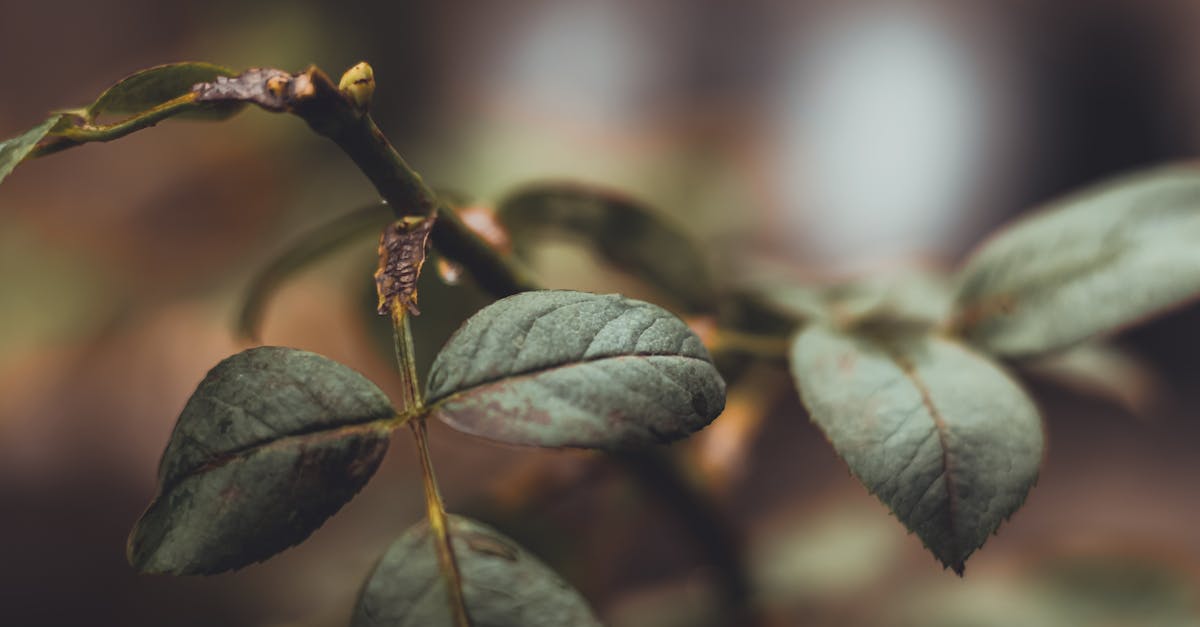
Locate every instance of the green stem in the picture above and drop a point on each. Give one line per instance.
(408, 194)
(435, 509)
(406, 358)
(439, 526)
(75, 135)
(331, 115)
(403, 187)
(498, 274)
(710, 531)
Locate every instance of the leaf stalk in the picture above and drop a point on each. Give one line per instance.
(435, 508)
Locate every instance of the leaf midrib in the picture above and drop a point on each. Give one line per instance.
(942, 429)
(537, 371)
(325, 432)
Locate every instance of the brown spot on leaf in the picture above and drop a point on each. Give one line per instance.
(230, 493)
(489, 545)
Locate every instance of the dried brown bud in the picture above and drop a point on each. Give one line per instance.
(401, 255)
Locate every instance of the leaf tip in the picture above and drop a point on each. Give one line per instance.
(140, 550)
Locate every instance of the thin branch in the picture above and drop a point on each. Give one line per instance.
(439, 526)
(710, 530)
(435, 509)
(319, 103)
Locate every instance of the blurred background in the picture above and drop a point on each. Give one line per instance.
(830, 138)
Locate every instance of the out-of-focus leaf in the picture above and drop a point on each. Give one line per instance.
(1117, 589)
(1091, 589)
(771, 302)
(917, 298)
(562, 368)
(1091, 263)
(628, 234)
(503, 585)
(309, 248)
(826, 556)
(154, 86)
(13, 150)
(273, 441)
(938, 433)
(1104, 371)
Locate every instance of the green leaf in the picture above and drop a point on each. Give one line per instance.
(561, 368)
(273, 441)
(917, 298)
(14, 150)
(154, 86)
(309, 248)
(1104, 371)
(1093, 263)
(797, 303)
(503, 585)
(627, 233)
(938, 433)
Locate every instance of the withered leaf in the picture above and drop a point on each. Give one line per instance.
(272, 442)
(269, 88)
(562, 368)
(449, 307)
(401, 257)
(503, 585)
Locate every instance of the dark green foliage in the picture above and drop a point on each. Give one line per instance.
(12, 151)
(154, 86)
(273, 442)
(561, 368)
(503, 585)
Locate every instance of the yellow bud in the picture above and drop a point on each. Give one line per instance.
(358, 84)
